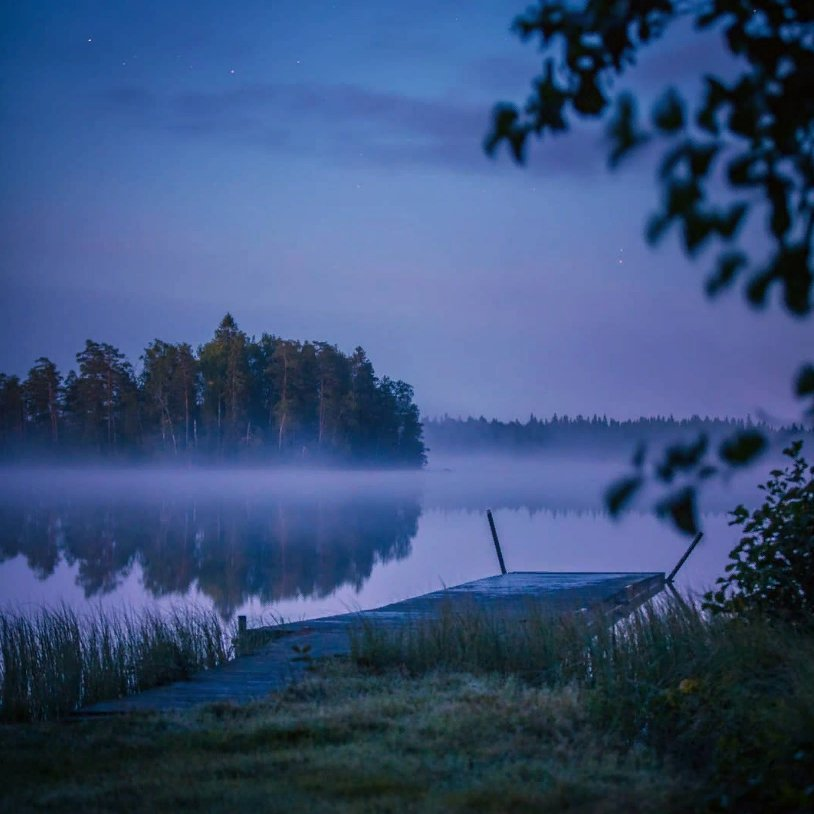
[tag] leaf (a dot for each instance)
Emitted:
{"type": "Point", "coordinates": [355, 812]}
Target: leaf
{"type": "Point", "coordinates": [740, 170]}
{"type": "Point", "coordinates": [728, 224]}
{"type": "Point", "coordinates": [780, 220]}
{"type": "Point", "coordinates": [697, 229]}
{"type": "Point", "coordinates": [714, 98]}
{"type": "Point", "coordinates": [701, 157]}
{"type": "Point", "coordinates": [589, 99]}
{"type": "Point", "coordinates": [623, 131]}
{"type": "Point", "coordinates": [727, 268]}
{"type": "Point", "coordinates": [656, 227]}
{"type": "Point", "coordinates": [804, 384]}
{"type": "Point", "coordinates": [504, 127]}
{"type": "Point", "coordinates": [682, 196]}
{"type": "Point", "coordinates": [742, 448]}
{"type": "Point", "coordinates": [792, 267]}
{"type": "Point", "coordinates": [668, 112]}
{"type": "Point", "coordinates": [681, 509]}
{"type": "Point", "coordinates": [793, 449]}
{"type": "Point", "coordinates": [672, 159]}
{"type": "Point", "coordinates": [621, 493]}
{"type": "Point", "coordinates": [759, 286]}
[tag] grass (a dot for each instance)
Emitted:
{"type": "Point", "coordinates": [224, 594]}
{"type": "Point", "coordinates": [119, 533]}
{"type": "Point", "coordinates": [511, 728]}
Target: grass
{"type": "Point", "coordinates": [55, 661]}
{"type": "Point", "coordinates": [670, 711]}
{"type": "Point", "coordinates": [729, 700]}
{"type": "Point", "coordinates": [344, 741]}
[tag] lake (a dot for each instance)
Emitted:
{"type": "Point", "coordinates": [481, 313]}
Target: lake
{"type": "Point", "coordinates": [299, 543]}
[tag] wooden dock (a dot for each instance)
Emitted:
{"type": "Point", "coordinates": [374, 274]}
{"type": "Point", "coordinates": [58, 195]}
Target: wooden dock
{"type": "Point", "coordinates": [294, 646]}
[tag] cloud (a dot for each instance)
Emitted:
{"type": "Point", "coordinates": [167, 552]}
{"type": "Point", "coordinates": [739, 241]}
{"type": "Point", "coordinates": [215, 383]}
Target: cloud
{"type": "Point", "coordinates": [341, 122]}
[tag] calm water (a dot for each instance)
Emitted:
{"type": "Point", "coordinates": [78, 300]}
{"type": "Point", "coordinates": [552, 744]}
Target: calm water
{"type": "Point", "coordinates": [302, 544]}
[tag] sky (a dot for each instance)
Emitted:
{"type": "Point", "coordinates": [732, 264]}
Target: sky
{"type": "Point", "coordinates": [316, 169]}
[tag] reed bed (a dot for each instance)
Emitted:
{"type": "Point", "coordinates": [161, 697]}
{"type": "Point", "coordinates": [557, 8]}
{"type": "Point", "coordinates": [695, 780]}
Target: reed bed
{"type": "Point", "coordinates": [55, 661]}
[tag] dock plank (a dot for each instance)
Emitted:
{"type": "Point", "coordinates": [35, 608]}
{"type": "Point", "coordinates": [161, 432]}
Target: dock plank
{"type": "Point", "coordinates": [281, 662]}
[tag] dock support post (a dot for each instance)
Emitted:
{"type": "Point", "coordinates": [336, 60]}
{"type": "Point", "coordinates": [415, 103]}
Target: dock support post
{"type": "Point", "coordinates": [687, 553]}
{"type": "Point", "coordinates": [497, 542]}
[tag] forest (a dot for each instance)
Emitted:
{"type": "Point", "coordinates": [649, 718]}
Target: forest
{"type": "Point", "coordinates": [236, 397]}
{"type": "Point", "coordinates": [594, 435]}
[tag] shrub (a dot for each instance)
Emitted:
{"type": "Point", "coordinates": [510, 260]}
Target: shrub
{"type": "Point", "coordinates": [772, 567]}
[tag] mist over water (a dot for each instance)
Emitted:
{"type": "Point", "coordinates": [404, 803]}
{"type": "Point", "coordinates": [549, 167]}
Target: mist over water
{"type": "Point", "coordinates": [302, 543]}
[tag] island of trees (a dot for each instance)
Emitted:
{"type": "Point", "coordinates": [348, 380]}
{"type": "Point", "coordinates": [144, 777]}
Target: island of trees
{"type": "Point", "coordinates": [236, 397]}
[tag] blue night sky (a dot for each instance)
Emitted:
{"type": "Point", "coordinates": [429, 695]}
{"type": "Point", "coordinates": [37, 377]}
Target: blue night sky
{"type": "Point", "coordinates": [315, 168]}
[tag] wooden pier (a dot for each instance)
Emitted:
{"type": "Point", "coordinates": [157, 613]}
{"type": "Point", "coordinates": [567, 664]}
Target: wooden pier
{"type": "Point", "coordinates": [289, 649]}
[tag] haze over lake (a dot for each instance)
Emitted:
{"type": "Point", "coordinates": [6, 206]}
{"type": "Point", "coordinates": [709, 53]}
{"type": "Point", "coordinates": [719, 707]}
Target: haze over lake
{"type": "Point", "coordinates": [301, 543]}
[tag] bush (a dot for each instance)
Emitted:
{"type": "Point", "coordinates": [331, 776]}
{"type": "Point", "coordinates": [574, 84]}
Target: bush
{"type": "Point", "coordinates": [772, 567]}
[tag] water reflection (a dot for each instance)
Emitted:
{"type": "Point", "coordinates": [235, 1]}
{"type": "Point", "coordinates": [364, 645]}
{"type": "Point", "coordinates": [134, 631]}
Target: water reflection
{"type": "Point", "coordinates": [309, 543]}
{"type": "Point", "coordinates": [232, 551]}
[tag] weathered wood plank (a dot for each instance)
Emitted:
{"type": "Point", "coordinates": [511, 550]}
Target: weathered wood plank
{"type": "Point", "coordinates": [295, 645]}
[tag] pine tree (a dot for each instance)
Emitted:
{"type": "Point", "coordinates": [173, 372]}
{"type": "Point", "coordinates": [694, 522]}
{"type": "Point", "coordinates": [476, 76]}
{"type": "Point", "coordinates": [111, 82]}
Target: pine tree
{"type": "Point", "coordinates": [41, 396]}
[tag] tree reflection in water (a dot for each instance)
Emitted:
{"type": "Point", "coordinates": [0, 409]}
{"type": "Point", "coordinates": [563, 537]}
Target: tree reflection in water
{"type": "Point", "coordinates": [233, 551]}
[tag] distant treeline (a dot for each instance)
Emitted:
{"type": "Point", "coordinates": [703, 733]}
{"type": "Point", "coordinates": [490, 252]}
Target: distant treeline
{"type": "Point", "coordinates": [235, 397]}
{"type": "Point", "coordinates": [597, 435]}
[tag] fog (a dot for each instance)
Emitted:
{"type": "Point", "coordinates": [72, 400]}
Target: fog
{"type": "Point", "coordinates": [301, 543]}
{"type": "Point", "coordinates": [474, 482]}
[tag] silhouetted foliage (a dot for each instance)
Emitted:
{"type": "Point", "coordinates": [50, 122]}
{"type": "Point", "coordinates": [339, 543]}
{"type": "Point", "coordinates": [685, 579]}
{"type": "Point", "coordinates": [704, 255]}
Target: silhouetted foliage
{"type": "Point", "coordinates": [266, 399]}
{"type": "Point", "coordinates": [772, 567]}
{"type": "Point", "coordinates": [743, 150]}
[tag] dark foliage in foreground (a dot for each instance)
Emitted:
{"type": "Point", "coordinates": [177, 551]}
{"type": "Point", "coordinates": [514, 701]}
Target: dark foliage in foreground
{"type": "Point", "coordinates": [261, 399]}
{"type": "Point", "coordinates": [771, 570]}
{"type": "Point", "coordinates": [737, 160]}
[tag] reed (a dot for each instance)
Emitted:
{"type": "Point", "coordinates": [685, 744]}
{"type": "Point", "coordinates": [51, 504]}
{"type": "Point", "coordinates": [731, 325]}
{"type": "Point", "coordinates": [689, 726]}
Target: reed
{"type": "Point", "coordinates": [55, 661]}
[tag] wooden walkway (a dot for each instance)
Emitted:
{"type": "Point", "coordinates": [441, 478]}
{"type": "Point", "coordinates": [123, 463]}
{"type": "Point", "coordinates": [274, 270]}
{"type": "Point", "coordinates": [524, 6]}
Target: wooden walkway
{"type": "Point", "coordinates": [294, 646]}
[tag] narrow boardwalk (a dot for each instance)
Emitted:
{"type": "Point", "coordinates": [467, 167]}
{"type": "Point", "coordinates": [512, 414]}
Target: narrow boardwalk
{"type": "Point", "coordinates": [297, 644]}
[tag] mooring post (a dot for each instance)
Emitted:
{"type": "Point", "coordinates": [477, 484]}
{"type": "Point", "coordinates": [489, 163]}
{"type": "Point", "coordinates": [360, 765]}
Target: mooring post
{"type": "Point", "coordinates": [241, 625]}
{"type": "Point", "coordinates": [687, 553]}
{"type": "Point", "coordinates": [497, 542]}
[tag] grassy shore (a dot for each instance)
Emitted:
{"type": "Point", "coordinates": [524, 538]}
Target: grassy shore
{"type": "Point", "coordinates": [669, 712]}
{"type": "Point", "coordinates": [54, 661]}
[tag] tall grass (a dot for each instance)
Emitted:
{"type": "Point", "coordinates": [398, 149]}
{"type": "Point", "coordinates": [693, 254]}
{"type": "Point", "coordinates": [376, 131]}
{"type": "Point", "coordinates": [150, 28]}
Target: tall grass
{"type": "Point", "coordinates": [730, 699]}
{"type": "Point", "coordinates": [55, 661]}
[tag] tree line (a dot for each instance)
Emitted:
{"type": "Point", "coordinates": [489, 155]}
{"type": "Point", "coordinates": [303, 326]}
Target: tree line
{"type": "Point", "coordinates": [595, 435]}
{"type": "Point", "coordinates": [235, 397]}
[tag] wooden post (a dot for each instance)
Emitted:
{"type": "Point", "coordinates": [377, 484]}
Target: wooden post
{"type": "Point", "coordinates": [241, 625]}
{"type": "Point", "coordinates": [497, 542]}
{"type": "Point", "coordinates": [687, 553]}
